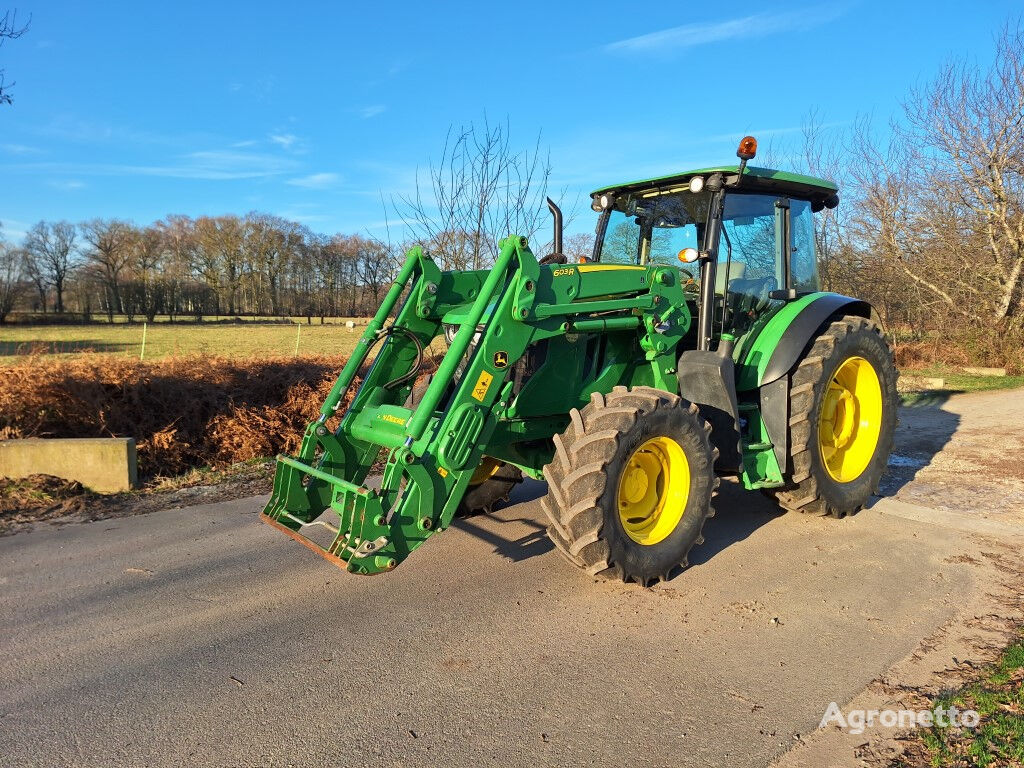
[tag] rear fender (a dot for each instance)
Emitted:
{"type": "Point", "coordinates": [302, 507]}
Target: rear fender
{"type": "Point", "coordinates": [781, 343]}
{"type": "Point", "coordinates": [766, 363]}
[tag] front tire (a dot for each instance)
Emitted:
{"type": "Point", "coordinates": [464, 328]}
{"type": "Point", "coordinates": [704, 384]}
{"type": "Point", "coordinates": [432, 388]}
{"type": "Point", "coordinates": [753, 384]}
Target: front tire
{"type": "Point", "coordinates": [842, 417]}
{"type": "Point", "coordinates": [630, 485]}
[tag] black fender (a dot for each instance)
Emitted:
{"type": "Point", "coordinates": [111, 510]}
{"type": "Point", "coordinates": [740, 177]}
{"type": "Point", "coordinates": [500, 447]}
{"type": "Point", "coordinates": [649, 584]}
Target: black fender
{"type": "Point", "coordinates": [773, 386]}
{"type": "Point", "coordinates": [804, 328]}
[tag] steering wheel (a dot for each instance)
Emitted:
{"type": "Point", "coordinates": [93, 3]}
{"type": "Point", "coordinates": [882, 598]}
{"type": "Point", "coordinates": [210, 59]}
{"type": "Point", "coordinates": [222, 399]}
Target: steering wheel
{"type": "Point", "coordinates": [553, 258]}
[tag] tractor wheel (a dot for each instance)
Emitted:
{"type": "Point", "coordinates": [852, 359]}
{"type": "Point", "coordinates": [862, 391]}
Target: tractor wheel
{"type": "Point", "coordinates": [490, 485]}
{"type": "Point", "coordinates": [842, 417]}
{"type": "Point", "coordinates": [630, 484]}
{"type": "Point", "coordinates": [492, 481]}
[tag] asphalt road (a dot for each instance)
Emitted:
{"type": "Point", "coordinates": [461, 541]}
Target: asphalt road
{"type": "Point", "coordinates": [199, 636]}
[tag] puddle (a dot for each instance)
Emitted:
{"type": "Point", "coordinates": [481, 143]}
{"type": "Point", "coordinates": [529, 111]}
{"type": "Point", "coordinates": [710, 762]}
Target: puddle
{"type": "Point", "coordinates": [895, 460]}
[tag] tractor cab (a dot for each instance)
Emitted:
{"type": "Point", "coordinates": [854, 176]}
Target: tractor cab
{"type": "Point", "coordinates": [743, 238]}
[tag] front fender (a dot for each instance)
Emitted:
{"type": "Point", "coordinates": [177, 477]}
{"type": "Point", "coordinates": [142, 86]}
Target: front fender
{"type": "Point", "coordinates": [784, 338]}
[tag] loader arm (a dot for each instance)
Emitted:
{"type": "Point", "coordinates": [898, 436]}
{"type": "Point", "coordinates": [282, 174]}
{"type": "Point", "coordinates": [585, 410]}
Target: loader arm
{"type": "Point", "coordinates": [430, 452]}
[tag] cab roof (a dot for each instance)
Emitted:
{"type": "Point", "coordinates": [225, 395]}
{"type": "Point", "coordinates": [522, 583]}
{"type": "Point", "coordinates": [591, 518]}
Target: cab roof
{"type": "Point", "coordinates": [754, 180]}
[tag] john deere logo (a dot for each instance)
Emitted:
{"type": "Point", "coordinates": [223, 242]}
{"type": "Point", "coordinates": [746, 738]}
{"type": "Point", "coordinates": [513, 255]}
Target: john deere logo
{"type": "Point", "coordinates": [501, 360]}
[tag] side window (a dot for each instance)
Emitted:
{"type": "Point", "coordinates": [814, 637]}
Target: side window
{"type": "Point", "coordinates": [803, 263]}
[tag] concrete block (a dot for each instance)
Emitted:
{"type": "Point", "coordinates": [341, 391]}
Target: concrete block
{"type": "Point", "coordinates": [984, 371]}
{"type": "Point", "coordinates": [101, 464]}
{"type": "Point", "coordinates": [919, 383]}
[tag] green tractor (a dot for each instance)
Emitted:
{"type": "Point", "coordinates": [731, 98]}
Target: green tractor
{"type": "Point", "coordinates": [695, 342]}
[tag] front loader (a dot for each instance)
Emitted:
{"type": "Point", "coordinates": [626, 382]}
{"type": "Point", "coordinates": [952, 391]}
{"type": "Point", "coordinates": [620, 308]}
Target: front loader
{"type": "Point", "coordinates": [694, 342]}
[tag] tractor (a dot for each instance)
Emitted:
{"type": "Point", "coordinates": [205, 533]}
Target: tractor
{"type": "Point", "coordinates": [693, 343]}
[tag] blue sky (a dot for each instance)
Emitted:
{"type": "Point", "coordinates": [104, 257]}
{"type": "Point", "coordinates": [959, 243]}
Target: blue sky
{"type": "Point", "coordinates": [138, 110]}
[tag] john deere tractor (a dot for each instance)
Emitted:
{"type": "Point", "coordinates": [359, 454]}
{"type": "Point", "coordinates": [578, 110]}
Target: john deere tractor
{"type": "Point", "coordinates": [694, 342]}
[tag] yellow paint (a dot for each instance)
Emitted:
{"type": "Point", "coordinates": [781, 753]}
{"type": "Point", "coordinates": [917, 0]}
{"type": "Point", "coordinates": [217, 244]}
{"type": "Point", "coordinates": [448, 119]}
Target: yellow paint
{"type": "Point", "coordinates": [482, 385]}
{"type": "Point", "coordinates": [850, 421]}
{"type": "Point", "coordinates": [653, 490]}
{"type": "Point", "coordinates": [488, 468]}
{"type": "Point", "coordinates": [442, 472]}
{"type": "Point", "coordinates": [605, 267]}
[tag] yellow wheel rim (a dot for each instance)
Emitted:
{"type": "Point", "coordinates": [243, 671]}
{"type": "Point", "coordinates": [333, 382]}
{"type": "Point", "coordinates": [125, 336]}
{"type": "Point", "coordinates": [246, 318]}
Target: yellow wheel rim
{"type": "Point", "coordinates": [850, 420]}
{"type": "Point", "coordinates": [487, 469]}
{"type": "Point", "coordinates": [653, 489]}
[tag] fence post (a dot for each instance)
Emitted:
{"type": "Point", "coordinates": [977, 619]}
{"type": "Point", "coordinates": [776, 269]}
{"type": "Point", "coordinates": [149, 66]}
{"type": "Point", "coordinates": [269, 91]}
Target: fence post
{"type": "Point", "coordinates": [298, 330]}
{"type": "Point", "coordinates": [142, 352]}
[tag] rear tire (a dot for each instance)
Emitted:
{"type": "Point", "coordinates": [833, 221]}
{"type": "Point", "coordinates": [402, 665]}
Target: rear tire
{"type": "Point", "coordinates": [591, 466]}
{"type": "Point", "coordinates": [824, 486]}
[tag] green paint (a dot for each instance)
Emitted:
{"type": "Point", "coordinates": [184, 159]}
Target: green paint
{"type": "Point", "coordinates": [470, 408]}
{"type": "Point", "coordinates": [760, 465]}
{"type": "Point", "coordinates": [683, 178]}
{"type": "Point", "coordinates": [755, 350]}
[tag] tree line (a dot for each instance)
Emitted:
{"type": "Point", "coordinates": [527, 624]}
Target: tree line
{"type": "Point", "coordinates": [257, 264]}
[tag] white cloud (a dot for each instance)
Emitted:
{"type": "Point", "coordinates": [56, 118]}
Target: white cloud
{"type": "Point", "coordinates": [371, 111]}
{"type": "Point", "coordinates": [13, 230]}
{"type": "Point", "coordinates": [315, 181]}
{"type": "Point", "coordinates": [20, 149]}
{"type": "Point", "coordinates": [213, 165]}
{"type": "Point", "coordinates": [675, 39]}
{"type": "Point", "coordinates": [68, 185]}
{"type": "Point", "coordinates": [285, 140]}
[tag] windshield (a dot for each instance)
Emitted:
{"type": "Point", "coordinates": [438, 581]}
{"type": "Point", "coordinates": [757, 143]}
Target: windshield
{"type": "Point", "coordinates": [655, 229]}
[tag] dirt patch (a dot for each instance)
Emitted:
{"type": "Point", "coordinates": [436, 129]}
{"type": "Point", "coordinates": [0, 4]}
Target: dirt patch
{"type": "Point", "coordinates": [43, 498]}
{"type": "Point", "coordinates": [40, 497]}
{"type": "Point", "coordinates": [957, 655]}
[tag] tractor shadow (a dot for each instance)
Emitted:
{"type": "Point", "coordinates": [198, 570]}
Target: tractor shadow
{"type": "Point", "coordinates": [534, 543]}
{"type": "Point", "coordinates": [923, 431]}
{"type": "Point", "coordinates": [738, 514]}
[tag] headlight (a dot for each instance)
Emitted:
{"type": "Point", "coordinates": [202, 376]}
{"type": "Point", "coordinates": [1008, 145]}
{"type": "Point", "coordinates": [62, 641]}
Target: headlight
{"type": "Point", "coordinates": [696, 184]}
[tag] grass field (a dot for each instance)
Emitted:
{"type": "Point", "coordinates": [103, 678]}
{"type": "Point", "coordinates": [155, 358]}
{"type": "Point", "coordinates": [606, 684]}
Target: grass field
{"type": "Point", "coordinates": [165, 339]}
{"type": "Point", "coordinates": [998, 698]}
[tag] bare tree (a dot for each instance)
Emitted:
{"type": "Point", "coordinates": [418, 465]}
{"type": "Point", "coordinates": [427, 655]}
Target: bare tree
{"type": "Point", "coordinates": [481, 190]}
{"type": "Point", "coordinates": [271, 244]}
{"type": "Point", "coordinates": [12, 282]}
{"type": "Point", "coordinates": [579, 246]}
{"type": "Point", "coordinates": [968, 128]}
{"type": "Point", "coordinates": [109, 253]}
{"type": "Point", "coordinates": [178, 236]}
{"type": "Point", "coordinates": [9, 30]}
{"type": "Point", "coordinates": [51, 246]}
{"type": "Point", "coordinates": [943, 204]}
{"type": "Point", "coordinates": [35, 272]}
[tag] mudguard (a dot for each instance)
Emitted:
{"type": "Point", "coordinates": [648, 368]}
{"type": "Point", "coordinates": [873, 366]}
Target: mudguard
{"type": "Point", "coordinates": [784, 338]}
